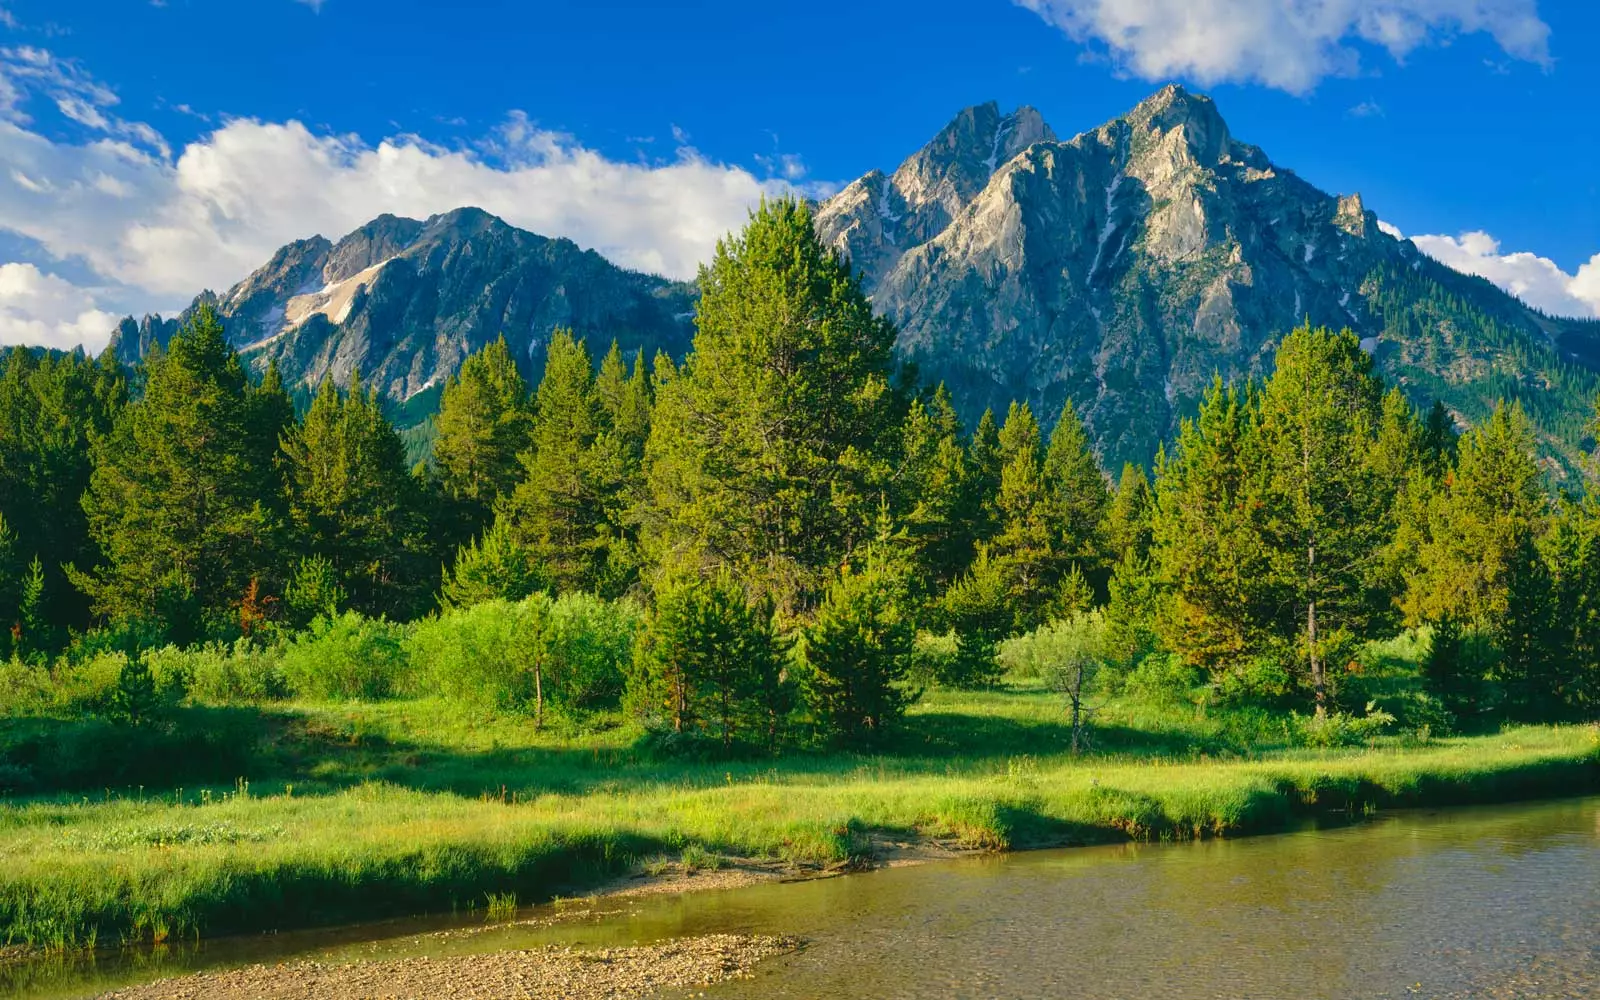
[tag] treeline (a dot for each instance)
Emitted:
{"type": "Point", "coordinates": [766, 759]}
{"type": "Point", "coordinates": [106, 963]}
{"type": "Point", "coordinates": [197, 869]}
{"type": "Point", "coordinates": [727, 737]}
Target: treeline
{"type": "Point", "coordinates": [789, 510]}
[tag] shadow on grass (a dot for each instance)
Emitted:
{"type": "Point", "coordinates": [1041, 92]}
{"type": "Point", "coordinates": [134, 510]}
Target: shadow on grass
{"type": "Point", "coordinates": [318, 753]}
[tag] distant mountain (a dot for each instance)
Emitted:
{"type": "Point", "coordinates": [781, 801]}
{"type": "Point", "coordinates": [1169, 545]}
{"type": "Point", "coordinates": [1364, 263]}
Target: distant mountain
{"type": "Point", "coordinates": [1122, 268]}
{"type": "Point", "coordinates": [402, 302]}
{"type": "Point", "coordinates": [1125, 267]}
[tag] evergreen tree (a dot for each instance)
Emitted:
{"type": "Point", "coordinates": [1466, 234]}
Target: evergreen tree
{"type": "Point", "coordinates": [711, 662]}
{"type": "Point", "coordinates": [1207, 534]}
{"type": "Point", "coordinates": [484, 422]}
{"type": "Point", "coordinates": [558, 511]}
{"type": "Point", "coordinates": [51, 407]}
{"type": "Point", "coordinates": [1326, 507]}
{"type": "Point", "coordinates": [986, 462]}
{"type": "Point", "coordinates": [494, 567]}
{"type": "Point", "coordinates": [178, 499]}
{"type": "Point", "coordinates": [314, 592]}
{"type": "Point", "coordinates": [1127, 529]}
{"type": "Point", "coordinates": [858, 652]}
{"type": "Point", "coordinates": [978, 608]}
{"type": "Point", "coordinates": [353, 502]}
{"type": "Point", "coordinates": [1480, 565]}
{"type": "Point", "coordinates": [933, 487]}
{"type": "Point", "coordinates": [768, 452]}
{"type": "Point", "coordinates": [1078, 499]}
{"type": "Point", "coordinates": [1026, 551]}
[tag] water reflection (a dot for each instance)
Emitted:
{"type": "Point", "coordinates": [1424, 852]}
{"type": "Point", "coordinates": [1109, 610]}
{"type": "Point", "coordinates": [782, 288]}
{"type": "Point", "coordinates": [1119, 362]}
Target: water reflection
{"type": "Point", "coordinates": [1496, 903]}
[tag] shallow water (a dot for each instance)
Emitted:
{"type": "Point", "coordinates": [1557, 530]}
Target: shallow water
{"type": "Point", "coordinates": [1486, 903]}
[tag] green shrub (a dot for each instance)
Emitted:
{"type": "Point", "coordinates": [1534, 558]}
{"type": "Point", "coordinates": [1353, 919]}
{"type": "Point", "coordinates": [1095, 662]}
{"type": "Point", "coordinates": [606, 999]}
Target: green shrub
{"type": "Point", "coordinates": [933, 658]}
{"type": "Point", "coordinates": [24, 689]}
{"type": "Point", "coordinates": [1338, 729]}
{"type": "Point", "coordinates": [218, 673]}
{"type": "Point", "coordinates": [348, 657]}
{"type": "Point", "coordinates": [1163, 679]}
{"type": "Point", "coordinates": [1260, 679]}
{"type": "Point", "coordinates": [493, 653]}
{"type": "Point", "coordinates": [592, 649]}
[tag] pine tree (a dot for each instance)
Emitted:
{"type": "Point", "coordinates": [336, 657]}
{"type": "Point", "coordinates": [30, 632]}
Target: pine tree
{"type": "Point", "coordinates": [1127, 529]}
{"type": "Point", "coordinates": [978, 608]}
{"type": "Point", "coordinates": [986, 462]}
{"type": "Point", "coordinates": [1078, 498]}
{"type": "Point", "coordinates": [313, 592]}
{"type": "Point", "coordinates": [858, 651]}
{"type": "Point", "coordinates": [493, 567]}
{"type": "Point", "coordinates": [712, 662]}
{"type": "Point", "coordinates": [766, 450]}
{"type": "Point", "coordinates": [1326, 508]}
{"type": "Point", "coordinates": [933, 487]}
{"type": "Point", "coordinates": [51, 407]}
{"type": "Point", "coordinates": [175, 500]}
{"type": "Point", "coordinates": [1207, 531]}
{"type": "Point", "coordinates": [558, 511]}
{"type": "Point", "coordinates": [353, 502]}
{"type": "Point", "coordinates": [484, 422]}
{"type": "Point", "coordinates": [1480, 567]}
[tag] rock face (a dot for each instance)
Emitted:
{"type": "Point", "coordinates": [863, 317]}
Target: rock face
{"type": "Point", "coordinates": [1126, 267]}
{"type": "Point", "coordinates": [403, 302]}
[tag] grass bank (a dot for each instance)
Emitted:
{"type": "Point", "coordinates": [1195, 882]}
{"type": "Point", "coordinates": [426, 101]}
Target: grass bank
{"type": "Point", "coordinates": [357, 812]}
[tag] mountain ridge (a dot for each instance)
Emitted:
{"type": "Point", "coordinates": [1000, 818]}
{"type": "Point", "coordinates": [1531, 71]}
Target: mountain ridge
{"type": "Point", "coordinates": [1122, 268]}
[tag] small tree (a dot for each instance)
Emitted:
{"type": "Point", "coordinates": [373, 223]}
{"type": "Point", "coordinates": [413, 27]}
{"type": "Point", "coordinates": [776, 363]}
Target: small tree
{"type": "Point", "coordinates": [712, 661]}
{"type": "Point", "coordinates": [1068, 653]}
{"type": "Point", "coordinates": [313, 592]}
{"type": "Point", "coordinates": [858, 652]}
{"type": "Point", "coordinates": [495, 567]}
{"type": "Point", "coordinates": [978, 608]}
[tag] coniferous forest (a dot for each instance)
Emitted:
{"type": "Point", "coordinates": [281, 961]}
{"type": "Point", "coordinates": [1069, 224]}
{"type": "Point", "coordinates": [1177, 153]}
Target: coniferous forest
{"type": "Point", "coordinates": [768, 600]}
{"type": "Point", "coordinates": [794, 532]}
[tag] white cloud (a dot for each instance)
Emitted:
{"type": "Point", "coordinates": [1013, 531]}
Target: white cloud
{"type": "Point", "coordinates": [1287, 44]}
{"type": "Point", "coordinates": [39, 308]}
{"type": "Point", "coordinates": [157, 229]}
{"type": "Point", "coordinates": [1536, 280]}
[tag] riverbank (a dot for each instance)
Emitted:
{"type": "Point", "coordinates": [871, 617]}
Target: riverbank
{"type": "Point", "coordinates": [540, 974]}
{"type": "Point", "coordinates": [463, 826]}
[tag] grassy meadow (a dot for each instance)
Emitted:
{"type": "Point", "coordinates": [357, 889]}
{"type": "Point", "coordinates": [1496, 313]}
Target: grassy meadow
{"type": "Point", "coordinates": [300, 813]}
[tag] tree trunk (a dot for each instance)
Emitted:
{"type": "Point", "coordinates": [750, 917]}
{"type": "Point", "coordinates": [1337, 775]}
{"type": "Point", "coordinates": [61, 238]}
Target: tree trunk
{"type": "Point", "coordinates": [1319, 679]}
{"type": "Point", "coordinates": [538, 694]}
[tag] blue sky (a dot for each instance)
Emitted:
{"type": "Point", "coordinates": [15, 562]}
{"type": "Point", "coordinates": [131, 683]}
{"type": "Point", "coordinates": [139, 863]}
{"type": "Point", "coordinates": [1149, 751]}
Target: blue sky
{"type": "Point", "coordinates": [149, 149]}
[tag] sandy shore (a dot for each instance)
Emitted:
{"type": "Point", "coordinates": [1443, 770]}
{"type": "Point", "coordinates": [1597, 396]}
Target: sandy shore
{"type": "Point", "coordinates": [538, 974]}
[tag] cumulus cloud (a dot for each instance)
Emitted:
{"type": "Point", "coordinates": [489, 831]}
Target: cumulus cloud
{"type": "Point", "coordinates": [1287, 44]}
{"type": "Point", "coordinates": [40, 308]}
{"type": "Point", "coordinates": [1536, 280]}
{"type": "Point", "coordinates": [166, 226]}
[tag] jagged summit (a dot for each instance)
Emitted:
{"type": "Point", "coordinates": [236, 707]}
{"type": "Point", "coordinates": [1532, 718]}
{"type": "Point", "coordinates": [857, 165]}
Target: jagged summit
{"type": "Point", "coordinates": [1125, 267]}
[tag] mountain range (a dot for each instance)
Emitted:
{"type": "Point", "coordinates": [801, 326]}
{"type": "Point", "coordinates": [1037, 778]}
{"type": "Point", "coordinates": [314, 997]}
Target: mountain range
{"type": "Point", "coordinates": [1123, 269]}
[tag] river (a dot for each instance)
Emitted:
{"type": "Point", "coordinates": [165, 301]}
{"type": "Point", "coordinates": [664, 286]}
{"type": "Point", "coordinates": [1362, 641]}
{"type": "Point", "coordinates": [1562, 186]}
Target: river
{"type": "Point", "coordinates": [1492, 902]}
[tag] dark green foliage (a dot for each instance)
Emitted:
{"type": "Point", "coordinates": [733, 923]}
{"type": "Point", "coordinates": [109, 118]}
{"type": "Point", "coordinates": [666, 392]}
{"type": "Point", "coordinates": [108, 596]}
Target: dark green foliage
{"type": "Point", "coordinates": [494, 567]}
{"type": "Point", "coordinates": [978, 607]}
{"type": "Point", "coordinates": [484, 421]}
{"type": "Point", "coordinates": [183, 500]}
{"type": "Point", "coordinates": [711, 662]}
{"type": "Point", "coordinates": [857, 653]}
{"type": "Point", "coordinates": [558, 510]}
{"type": "Point", "coordinates": [768, 450]}
{"type": "Point", "coordinates": [353, 502]}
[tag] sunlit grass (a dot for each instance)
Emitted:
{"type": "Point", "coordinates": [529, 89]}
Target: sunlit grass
{"type": "Point", "coordinates": [405, 807]}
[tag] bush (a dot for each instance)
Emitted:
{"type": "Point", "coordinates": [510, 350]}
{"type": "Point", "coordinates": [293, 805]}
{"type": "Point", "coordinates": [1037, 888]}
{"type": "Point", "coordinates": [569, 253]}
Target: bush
{"type": "Point", "coordinates": [1338, 729]}
{"type": "Point", "coordinates": [933, 658]}
{"type": "Point", "coordinates": [493, 653]}
{"type": "Point", "coordinates": [219, 673]}
{"type": "Point", "coordinates": [1060, 645]}
{"type": "Point", "coordinates": [592, 649]}
{"type": "Point", "coordinates": [348, 657]}
{"type": "Point", "coordinates": [25, 689]}
{"type": "Point", "coordinates": [1261, 680]}
{"type": "Point", "coordinates": [1163, 679]}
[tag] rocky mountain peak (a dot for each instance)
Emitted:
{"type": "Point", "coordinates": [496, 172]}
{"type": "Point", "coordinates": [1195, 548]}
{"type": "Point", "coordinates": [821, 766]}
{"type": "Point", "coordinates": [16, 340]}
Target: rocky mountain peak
{"type": "Point", "coordinates": [1174, 109]}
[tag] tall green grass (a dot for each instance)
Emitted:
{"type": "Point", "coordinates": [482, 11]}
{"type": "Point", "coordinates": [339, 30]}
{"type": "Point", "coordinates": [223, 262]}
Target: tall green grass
{"type": "Point", "coordinates": [358, 811]}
